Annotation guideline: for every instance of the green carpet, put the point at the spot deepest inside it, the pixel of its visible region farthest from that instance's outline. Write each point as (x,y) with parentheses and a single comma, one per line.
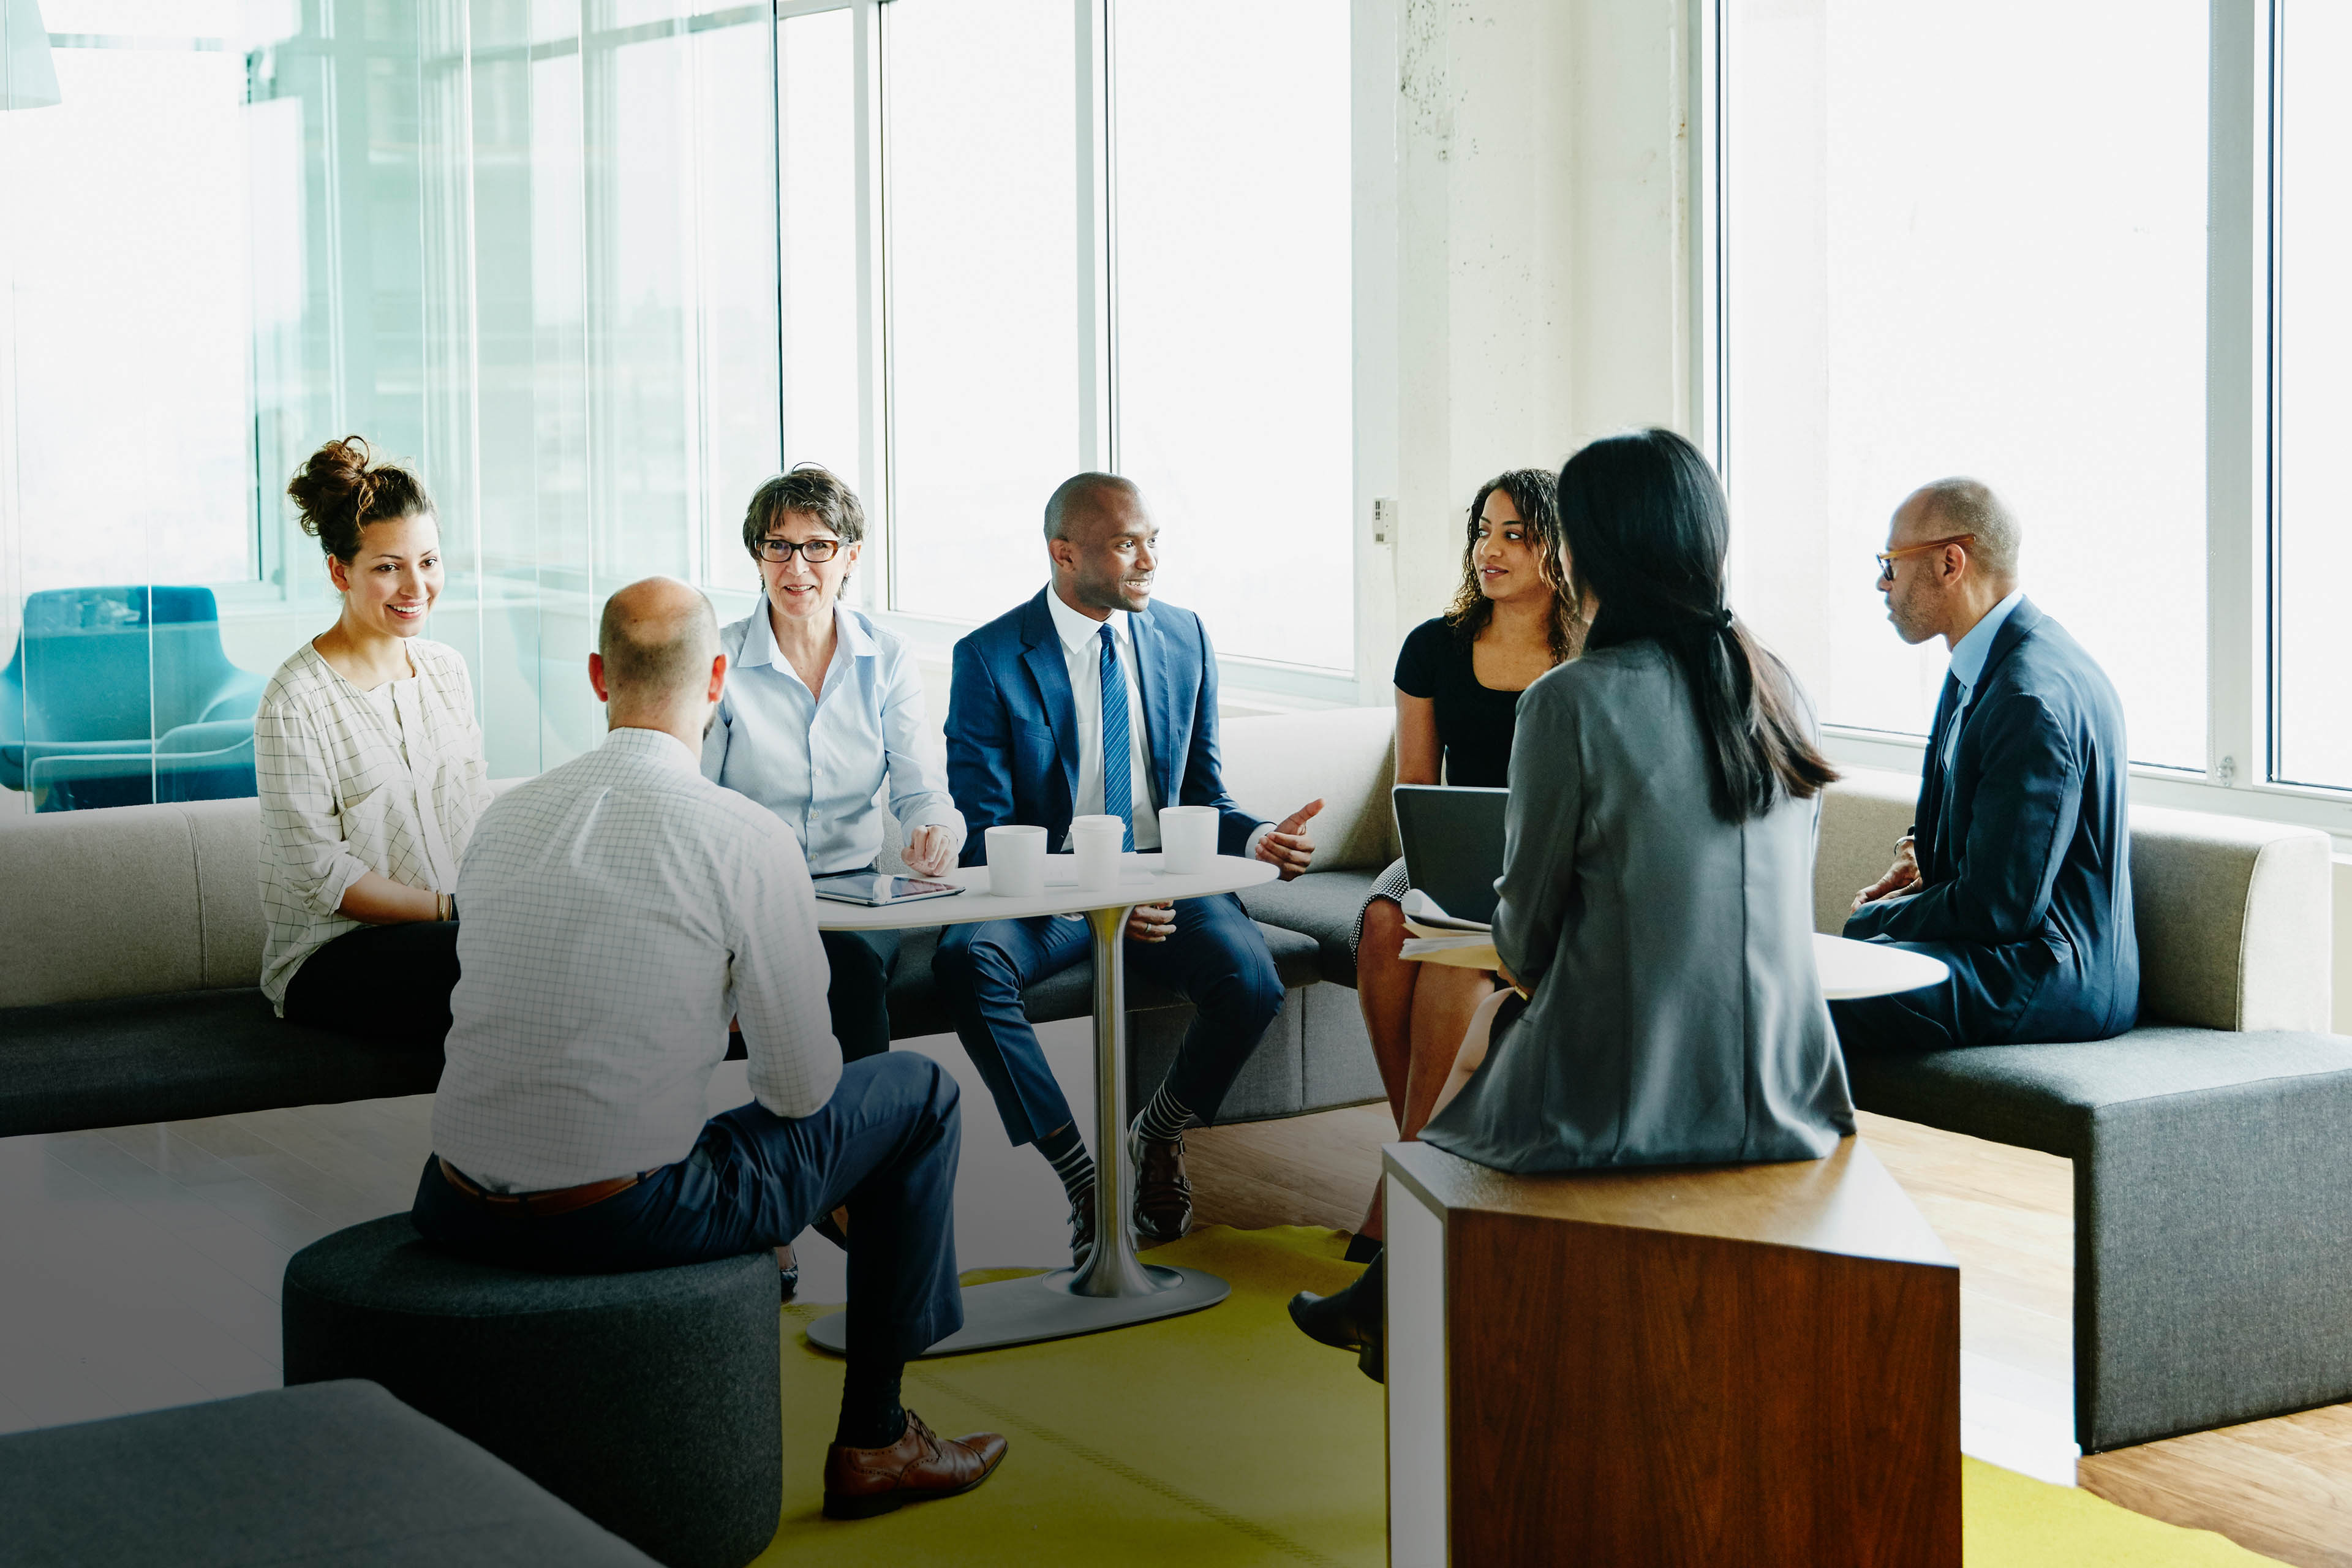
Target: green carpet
(1226,1437)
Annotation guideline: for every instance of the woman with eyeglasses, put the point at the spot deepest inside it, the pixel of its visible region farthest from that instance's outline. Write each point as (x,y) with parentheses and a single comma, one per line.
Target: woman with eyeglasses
(371,771)
(822,708)
(1655,921)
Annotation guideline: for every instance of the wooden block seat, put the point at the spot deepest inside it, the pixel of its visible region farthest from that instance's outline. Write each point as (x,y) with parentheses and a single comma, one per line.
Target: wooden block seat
(1740,1363)
(331,1475)
(647,1401)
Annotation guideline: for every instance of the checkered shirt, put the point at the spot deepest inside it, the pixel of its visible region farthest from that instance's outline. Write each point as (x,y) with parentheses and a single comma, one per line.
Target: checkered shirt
(340,798)
(615,912)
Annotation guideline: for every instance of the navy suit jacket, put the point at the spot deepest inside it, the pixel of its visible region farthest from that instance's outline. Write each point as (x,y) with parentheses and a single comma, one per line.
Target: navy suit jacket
(2024,848)
(1012,725)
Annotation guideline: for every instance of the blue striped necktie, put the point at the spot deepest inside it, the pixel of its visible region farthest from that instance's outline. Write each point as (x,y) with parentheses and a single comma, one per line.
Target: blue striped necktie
(1118,786)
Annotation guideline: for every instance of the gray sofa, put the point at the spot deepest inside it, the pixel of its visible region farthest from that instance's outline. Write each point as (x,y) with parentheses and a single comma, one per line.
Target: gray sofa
(132,940)
(333,1475)
(2212,1194)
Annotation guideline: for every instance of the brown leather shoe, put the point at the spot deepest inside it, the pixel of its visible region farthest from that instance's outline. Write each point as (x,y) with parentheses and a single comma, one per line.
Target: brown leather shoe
(1163,1194)
(921,1465)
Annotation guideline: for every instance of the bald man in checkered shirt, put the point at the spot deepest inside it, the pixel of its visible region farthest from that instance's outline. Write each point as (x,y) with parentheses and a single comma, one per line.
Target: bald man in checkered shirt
(618,909)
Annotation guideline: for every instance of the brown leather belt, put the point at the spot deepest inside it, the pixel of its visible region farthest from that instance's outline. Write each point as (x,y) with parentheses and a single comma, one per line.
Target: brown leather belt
(554,1201)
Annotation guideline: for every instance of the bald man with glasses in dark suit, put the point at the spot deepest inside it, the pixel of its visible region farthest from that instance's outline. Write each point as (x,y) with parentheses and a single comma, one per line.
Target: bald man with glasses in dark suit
(2017,870)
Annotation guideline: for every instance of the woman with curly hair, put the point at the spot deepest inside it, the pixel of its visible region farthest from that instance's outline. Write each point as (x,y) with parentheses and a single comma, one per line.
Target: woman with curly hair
(1458,680)
(371,771)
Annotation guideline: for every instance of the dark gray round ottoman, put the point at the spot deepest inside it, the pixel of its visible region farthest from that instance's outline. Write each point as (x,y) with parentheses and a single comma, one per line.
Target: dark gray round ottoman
(649,1401)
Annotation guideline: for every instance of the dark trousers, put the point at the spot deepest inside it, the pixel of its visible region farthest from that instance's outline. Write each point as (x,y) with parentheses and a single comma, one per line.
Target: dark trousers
(859,996)
(885,1145)
(1927,1019)
(1216,959)
(387,983)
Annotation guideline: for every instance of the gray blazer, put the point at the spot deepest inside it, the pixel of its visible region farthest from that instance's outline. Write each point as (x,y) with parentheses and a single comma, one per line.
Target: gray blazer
(1677,1018)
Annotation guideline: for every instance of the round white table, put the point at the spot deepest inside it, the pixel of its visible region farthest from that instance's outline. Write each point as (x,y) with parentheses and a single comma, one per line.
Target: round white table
(1850,969)
(1115,1288)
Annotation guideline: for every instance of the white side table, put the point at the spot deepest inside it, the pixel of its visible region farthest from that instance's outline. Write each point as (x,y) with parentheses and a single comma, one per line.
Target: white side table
(1116,1288)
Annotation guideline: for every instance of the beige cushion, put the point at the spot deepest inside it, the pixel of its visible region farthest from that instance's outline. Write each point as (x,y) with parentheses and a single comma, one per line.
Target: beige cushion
(1277,762)
(100,904)
(2234,917)
(228,836)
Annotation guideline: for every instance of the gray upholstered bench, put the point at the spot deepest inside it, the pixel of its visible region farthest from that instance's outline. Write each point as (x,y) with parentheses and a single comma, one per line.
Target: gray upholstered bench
(647,1401)
(133,942)
(339,1474)
(2212,1191)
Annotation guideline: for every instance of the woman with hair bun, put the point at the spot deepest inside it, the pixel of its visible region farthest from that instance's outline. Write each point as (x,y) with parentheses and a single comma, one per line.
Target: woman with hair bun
(371,771)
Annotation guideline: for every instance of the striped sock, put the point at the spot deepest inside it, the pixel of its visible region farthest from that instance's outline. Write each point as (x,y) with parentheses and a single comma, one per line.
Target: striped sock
(1164,1118)
(1067,1153)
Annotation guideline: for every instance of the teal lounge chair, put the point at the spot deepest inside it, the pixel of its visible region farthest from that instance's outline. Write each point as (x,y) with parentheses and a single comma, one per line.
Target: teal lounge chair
(123,696)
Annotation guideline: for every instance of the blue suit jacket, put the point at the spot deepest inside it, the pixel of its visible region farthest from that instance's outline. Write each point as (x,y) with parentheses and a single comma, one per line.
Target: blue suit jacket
(2024,848)
(1012,725)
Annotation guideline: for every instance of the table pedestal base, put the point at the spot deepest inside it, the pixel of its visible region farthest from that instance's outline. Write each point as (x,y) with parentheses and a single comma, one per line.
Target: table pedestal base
(1042,1307)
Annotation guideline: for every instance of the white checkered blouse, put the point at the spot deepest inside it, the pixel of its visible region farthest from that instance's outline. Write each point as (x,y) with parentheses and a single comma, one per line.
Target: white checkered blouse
(616,911)
(339,799)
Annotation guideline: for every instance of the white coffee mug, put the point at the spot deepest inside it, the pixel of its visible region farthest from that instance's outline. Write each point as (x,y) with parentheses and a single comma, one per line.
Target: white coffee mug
(1095,841)
(1188,838)
(1016,862)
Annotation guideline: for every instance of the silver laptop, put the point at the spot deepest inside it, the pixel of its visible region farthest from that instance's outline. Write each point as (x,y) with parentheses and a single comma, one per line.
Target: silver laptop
(1453,843)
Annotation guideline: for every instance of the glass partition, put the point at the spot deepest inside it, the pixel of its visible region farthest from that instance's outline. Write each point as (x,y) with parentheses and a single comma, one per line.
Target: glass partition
(526,248)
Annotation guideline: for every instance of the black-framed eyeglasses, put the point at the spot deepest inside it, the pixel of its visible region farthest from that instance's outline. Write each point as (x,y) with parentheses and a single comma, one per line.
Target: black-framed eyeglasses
(816,551)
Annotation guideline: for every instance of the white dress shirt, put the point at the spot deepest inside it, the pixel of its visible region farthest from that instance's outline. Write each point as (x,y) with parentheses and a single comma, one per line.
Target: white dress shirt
(819,763)
(1969,655)
(617,910)
(352,782)
(1082,647)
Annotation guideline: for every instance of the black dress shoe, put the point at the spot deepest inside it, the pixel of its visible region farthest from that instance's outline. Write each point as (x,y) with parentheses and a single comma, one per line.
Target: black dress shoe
(1362,1249)
(1082,1228)
(1163,1194)
(1354,1318)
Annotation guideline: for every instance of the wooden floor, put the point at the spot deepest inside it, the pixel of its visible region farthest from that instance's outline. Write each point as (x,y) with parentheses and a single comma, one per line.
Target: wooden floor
(140,1267)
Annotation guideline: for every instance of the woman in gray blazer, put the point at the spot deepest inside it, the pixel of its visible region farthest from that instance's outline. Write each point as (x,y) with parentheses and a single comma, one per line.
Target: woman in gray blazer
(1656,913)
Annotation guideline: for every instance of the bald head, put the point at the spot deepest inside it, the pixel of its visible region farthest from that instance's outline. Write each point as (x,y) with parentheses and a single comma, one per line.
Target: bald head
(655,643)
(1965,506)
(1084,497)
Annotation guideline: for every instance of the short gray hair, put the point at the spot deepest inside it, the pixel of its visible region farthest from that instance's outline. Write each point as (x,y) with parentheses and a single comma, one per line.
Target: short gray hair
(653,655)
(1081,493)
(1968,506)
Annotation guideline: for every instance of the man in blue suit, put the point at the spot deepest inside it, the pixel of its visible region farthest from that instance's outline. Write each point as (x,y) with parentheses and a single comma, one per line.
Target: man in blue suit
(2017,870)
(1092,700)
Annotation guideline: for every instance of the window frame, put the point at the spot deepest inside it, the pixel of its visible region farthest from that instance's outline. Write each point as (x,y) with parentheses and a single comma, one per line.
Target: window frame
(1372,128)
(2241,776)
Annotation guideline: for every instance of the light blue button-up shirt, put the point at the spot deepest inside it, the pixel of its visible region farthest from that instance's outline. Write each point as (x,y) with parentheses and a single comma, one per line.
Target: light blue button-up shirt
(820,763)
(1969,655)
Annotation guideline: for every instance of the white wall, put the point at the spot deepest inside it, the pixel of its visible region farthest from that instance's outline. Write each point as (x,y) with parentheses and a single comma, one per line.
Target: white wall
(1542,292)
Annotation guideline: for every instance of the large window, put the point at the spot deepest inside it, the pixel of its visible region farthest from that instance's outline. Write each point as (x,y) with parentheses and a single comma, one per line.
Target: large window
(594,269)
(1123,245)
(2116,294)
(2313,675)
(1952,248)
(985,377)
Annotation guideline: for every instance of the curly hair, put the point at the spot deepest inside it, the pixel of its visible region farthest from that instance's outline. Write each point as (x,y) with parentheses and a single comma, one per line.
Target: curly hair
(341,489)
(1534,492)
